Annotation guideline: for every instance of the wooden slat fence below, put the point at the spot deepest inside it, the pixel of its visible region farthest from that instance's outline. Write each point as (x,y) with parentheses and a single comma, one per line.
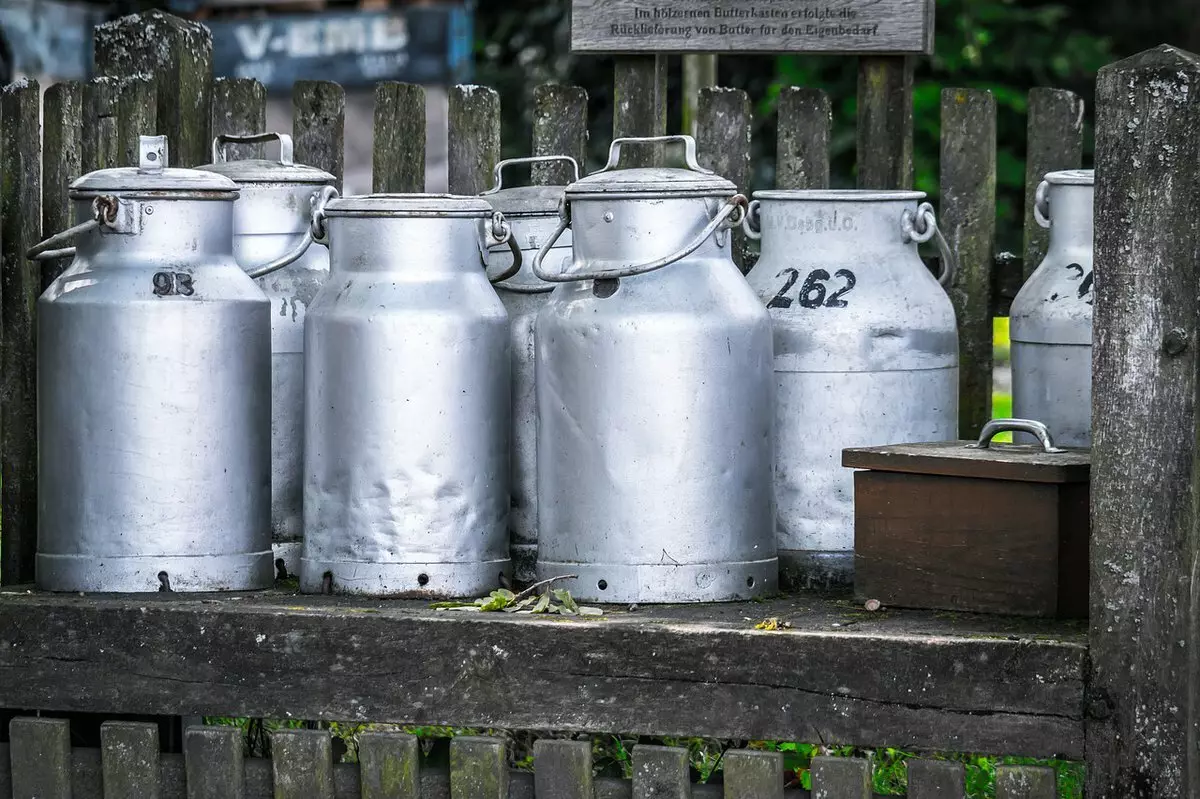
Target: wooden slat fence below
(38,762)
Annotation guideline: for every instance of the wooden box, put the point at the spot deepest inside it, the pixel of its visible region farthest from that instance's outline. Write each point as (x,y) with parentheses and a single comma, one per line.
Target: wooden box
(953,526)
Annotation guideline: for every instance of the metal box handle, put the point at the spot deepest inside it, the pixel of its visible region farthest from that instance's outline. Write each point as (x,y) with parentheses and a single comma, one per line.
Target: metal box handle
(286,149)
(1036,429)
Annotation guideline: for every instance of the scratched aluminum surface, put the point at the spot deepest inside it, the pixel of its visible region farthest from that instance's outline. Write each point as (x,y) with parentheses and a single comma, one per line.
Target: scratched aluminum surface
(1051,320)
(406,412)
(154,394)
(655,408)
(866,354)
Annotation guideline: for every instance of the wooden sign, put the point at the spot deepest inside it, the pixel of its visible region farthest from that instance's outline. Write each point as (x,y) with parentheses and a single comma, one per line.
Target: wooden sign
(752,26)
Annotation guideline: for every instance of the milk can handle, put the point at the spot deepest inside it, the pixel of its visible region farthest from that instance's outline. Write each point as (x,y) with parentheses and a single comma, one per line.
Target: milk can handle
(498,177)
(752,223)
(314,232)
(285,145)
(104,212)
(736,203)
(1036,429)
(689,151)
(920,228)
(1041,204)
(500,231)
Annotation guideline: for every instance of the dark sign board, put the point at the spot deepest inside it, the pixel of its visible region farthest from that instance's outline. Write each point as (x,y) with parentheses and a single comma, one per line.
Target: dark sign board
(752,26)
(426,44)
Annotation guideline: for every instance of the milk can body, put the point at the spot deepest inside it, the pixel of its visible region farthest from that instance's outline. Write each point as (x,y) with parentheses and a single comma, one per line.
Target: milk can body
(866,354)
(654,395)
(406,404)
(1051,317)
(271,219)
(154,394)
(533,213)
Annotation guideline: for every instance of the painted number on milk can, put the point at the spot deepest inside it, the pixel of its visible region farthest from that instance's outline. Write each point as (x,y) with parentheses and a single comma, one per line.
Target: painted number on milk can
(167,284)
(813,290)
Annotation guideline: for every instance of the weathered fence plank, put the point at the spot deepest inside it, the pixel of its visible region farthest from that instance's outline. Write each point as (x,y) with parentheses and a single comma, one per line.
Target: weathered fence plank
(1026,782)
(640,104)
(1054,141)
(5,773)
(841,778)
(660,772)
(474,138)
(129,758)
(753,775)
(936,779)
(390,763)
(178,53)
(239,107)
(213,759)
(62,162)
(802,147)
(319,126)
(20,287)
(117,111)
(724,125)
(398,157)
(968,221)
(302,764)
(562,769)
(40,752)
(560,127)
(478,768)
(1145,595)
(885,122)
(699,73)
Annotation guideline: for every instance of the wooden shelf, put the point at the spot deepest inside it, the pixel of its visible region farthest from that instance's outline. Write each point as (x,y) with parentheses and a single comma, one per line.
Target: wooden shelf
(909,679)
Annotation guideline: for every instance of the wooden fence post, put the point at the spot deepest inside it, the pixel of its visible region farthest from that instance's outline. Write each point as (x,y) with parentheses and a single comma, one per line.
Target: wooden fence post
(41,758)
(302,764)
(478,768)
(699,73)
(723,126)
(20,287)
(968,221)
(398,157)
(239,106)
(62,162)
(178,53)
(214,763)
(474,138)
(753,775)
(319,126)
(1142,712)
(563,769)
(660,772)
(802,150)
(390,761)
(841,778)
(560,127)
(129,759)
(640,104)
(1054,141)
(885,122)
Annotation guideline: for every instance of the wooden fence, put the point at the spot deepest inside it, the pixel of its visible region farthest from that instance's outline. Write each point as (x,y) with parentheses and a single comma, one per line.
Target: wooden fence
(1124,693)
(212,766)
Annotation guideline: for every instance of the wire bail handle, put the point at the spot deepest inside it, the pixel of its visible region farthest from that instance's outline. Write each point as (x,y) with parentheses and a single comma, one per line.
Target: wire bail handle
(921,227)
(315,232)
(499,231)
(498,172)
(286,148)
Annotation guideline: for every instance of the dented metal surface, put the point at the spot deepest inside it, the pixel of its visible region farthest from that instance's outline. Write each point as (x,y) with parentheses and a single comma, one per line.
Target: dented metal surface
(1051,317)
(154,396)
(271,216)
(866,354)
(406,404)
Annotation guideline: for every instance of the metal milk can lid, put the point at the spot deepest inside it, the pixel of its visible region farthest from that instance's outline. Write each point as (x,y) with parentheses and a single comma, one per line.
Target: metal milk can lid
(1071,177)
(152,175)
(652,182)
(260,170)
(525,201)
(409,205)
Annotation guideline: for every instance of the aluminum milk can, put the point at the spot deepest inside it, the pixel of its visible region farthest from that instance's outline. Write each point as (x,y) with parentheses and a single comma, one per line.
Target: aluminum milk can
(271,220)
(406,413)
(866,354)
(654,394)
(533,213)
(154,391)
(1051,317)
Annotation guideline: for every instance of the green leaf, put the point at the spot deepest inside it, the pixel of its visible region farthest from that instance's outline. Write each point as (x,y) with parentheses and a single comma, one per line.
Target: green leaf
(543,603)
(451,605)
(564,597)
(493,603)
(521,605)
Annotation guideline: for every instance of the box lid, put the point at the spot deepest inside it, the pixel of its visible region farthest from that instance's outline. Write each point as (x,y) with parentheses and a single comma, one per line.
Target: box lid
(1032,463)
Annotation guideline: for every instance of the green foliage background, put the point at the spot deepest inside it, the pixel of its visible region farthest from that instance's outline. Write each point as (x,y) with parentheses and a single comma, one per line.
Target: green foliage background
(1005,46)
